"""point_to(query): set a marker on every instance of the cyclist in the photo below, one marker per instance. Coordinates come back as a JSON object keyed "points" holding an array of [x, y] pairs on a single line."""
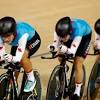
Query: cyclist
{"points": [[73, 36], [97, 44], [24, 41]]}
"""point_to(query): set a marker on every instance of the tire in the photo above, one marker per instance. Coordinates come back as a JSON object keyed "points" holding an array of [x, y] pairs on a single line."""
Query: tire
{"points": [[38, 88], [72, 84], [4, 84], [36, 93], [92, 91], [56, 84], [84, 80]]}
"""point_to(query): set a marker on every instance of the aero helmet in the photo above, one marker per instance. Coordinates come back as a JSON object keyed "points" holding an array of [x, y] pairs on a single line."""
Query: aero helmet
{"points": [[7, 26], [97, 26], [63, 27]]}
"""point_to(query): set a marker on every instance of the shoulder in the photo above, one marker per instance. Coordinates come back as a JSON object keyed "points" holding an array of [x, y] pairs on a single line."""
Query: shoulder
{"points": [[79, 21], [24, 25]]}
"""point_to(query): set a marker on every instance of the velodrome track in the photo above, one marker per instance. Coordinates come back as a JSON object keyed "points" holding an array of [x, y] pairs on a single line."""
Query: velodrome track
{"points": [[43, 14]]}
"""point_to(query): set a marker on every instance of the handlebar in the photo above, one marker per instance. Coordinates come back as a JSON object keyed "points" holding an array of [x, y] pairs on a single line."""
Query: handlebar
{"points": [[6, 65], [67, 57], [96, 52]]}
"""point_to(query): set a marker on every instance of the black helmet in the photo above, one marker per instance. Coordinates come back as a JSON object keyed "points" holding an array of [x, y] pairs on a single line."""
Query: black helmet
{"points": [[7, 26], [97, 26], [63, 27]]}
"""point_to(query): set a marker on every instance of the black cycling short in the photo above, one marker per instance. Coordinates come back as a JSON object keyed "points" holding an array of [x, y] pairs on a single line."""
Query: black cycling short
{"points": [[83, 47], [32, 45]]}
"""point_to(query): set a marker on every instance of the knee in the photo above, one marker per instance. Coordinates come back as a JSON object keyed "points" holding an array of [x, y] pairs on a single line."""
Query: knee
{"points": [[24, 60]]}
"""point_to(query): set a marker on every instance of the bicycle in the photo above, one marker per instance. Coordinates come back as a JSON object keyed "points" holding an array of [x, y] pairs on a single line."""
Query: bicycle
{"points": [[93, 89], [9, 85], [59, 85]]}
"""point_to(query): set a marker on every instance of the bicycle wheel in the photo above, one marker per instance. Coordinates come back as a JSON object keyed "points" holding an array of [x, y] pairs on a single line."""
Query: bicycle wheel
{"points": [[7, 91], [38, 88], [36, 93], [72, 83], [93, 92], [56, 84]]}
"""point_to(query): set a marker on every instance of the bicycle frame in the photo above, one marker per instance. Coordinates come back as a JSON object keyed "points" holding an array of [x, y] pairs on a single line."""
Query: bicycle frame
{"points": [[62, 74], [64, 83], [14, 83], [11, 80]]}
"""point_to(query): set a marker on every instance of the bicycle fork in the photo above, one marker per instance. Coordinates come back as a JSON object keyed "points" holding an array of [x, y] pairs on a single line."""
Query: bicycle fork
{"points": [[60, 81], [66, 92], [8, 90]]}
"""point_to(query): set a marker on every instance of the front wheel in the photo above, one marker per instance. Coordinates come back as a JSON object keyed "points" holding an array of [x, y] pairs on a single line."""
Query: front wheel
{"points": [[6, 89], [56, 84], [93, 89]]}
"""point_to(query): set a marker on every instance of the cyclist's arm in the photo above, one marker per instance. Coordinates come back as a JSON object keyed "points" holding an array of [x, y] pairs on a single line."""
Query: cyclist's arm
{"points": [[21, 48], [56, 41], [74, 45]]}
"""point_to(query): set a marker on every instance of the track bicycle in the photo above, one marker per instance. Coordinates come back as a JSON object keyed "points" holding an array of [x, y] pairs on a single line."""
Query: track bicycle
{"points": [[93, 88], [9, 86], [59, 85]]}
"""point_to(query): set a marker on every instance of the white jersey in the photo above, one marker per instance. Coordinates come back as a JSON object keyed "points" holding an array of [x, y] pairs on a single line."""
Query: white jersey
{"points": [[80, 28], [20, 50], [74, 45]]}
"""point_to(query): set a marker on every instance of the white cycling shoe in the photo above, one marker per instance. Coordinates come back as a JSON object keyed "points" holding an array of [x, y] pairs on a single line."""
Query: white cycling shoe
{"points": [[29, 85]]}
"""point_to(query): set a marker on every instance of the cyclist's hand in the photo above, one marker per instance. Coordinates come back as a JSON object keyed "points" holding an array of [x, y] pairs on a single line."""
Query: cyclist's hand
{"points": [[63, 49], [52, 47], [8, 57]]}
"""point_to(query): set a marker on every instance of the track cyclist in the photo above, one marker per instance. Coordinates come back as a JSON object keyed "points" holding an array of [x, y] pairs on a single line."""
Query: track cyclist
{"points": [[73, 36], [24, 41]]}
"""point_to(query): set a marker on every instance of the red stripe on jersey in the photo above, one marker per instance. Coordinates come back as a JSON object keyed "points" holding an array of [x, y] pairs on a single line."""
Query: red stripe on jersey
{"points": [[97, 38], [1, 48], [19, 49], [74, 45], [55, 41]]}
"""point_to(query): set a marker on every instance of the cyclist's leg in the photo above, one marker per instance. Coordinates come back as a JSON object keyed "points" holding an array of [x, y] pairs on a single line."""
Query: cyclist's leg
{"points": [[97, 58], [78, 62], [78, 74], [27, 66], [98, 76], [31, 47]]}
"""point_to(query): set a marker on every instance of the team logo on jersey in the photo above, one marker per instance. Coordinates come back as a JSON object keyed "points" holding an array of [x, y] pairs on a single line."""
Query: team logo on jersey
{"points": [[34, 44], [87, 50]]}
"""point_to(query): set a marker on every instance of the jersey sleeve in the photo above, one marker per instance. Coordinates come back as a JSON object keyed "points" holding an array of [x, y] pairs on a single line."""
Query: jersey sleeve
{"points": [[74, 45], [21, 48], [56, 41]]}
